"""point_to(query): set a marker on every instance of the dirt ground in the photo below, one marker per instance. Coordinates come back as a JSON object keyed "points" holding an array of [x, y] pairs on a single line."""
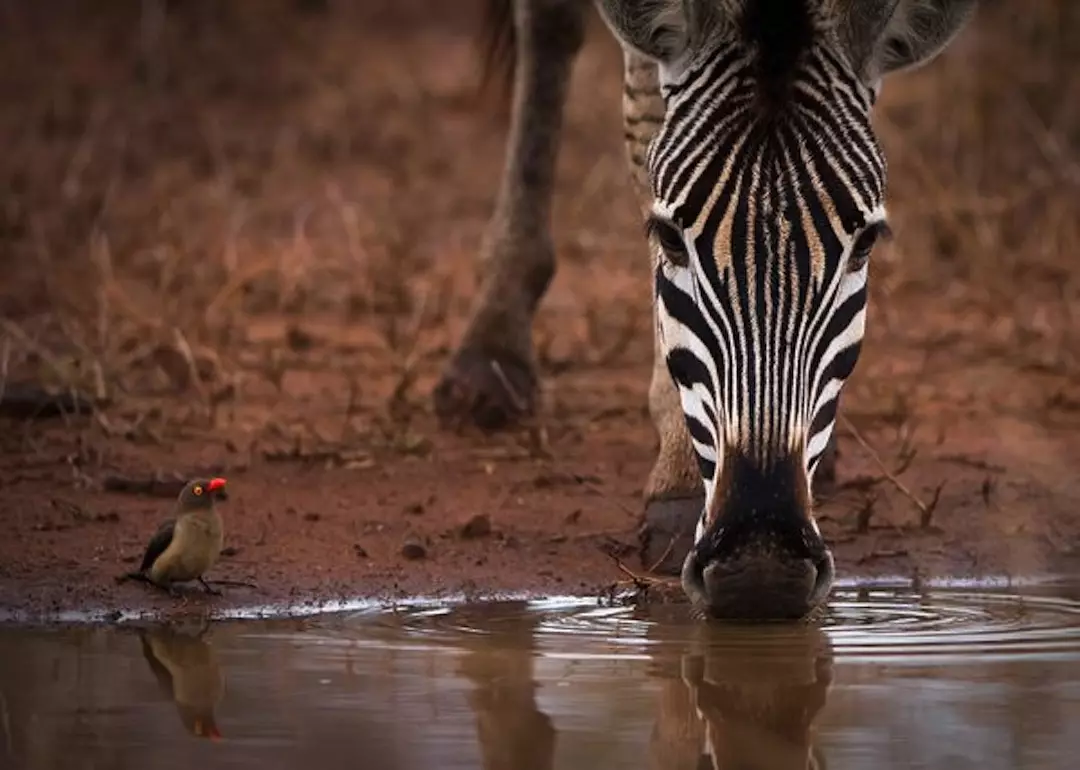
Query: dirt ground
{"points": [[249, 229]]}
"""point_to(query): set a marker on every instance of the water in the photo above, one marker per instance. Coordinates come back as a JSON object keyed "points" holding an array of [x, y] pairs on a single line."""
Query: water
{"points": [[954, 678]]}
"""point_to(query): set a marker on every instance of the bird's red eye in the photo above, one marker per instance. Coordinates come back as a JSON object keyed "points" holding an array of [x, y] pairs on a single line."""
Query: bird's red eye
{"points": [[197, 490]]}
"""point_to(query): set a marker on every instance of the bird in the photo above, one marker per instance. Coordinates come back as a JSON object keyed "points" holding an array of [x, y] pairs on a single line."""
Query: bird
{"points": [[188, 672], [188, 544]]}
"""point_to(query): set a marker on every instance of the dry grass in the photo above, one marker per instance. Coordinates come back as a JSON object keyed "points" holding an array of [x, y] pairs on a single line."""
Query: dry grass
{"points": [[984, 179], [217, 238]]}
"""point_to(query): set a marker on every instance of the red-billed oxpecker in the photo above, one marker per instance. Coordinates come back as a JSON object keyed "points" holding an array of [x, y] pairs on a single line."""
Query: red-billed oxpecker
{"points": [[187, 545]]}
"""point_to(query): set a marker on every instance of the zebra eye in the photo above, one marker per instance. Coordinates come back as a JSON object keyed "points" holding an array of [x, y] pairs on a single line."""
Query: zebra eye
{"points": [[864, 244], [670, 240]]}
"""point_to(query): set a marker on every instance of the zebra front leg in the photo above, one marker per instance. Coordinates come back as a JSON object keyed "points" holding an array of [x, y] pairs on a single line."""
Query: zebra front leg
{"points": [[674, 494], [491, 378]]}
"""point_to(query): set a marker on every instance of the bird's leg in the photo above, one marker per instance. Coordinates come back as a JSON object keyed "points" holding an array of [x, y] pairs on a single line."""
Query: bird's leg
{"points": [[237, 583], [168, 588], [206, 587]]}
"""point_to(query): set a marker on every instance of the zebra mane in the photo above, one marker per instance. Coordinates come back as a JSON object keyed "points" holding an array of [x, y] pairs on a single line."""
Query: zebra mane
{"points": [[779, 33]]}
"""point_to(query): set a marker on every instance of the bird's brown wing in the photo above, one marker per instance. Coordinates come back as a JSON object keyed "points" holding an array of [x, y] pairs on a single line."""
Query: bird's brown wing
{"points": [[161, 674], [158, 543]]}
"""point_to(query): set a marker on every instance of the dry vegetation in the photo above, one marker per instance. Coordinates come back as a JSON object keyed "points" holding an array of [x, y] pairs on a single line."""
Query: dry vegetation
{"points": [[246, 232]]}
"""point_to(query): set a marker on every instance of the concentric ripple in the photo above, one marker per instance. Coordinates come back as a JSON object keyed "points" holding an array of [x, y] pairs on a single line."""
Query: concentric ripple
{"points": [[954, 622], [896, 623]]}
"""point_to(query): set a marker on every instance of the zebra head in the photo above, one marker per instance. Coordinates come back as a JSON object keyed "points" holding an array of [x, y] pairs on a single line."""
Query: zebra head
{"points": [[768, 195]]}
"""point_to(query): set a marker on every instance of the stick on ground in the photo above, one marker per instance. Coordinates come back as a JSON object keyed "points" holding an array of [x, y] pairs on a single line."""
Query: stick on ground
{"points": [[926, 511]]}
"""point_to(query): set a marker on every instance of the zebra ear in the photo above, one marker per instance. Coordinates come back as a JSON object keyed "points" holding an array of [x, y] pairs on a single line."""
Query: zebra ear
{"points": [[886, 36], [657, 29]]}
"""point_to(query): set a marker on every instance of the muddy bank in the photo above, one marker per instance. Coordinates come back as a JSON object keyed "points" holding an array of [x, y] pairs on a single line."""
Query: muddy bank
{"points": [[474, 518]]}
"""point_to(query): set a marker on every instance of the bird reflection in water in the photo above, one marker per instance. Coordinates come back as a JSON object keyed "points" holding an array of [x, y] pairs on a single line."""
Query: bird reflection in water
{"points": [[731, 698], [514, 734], [186, 668]]}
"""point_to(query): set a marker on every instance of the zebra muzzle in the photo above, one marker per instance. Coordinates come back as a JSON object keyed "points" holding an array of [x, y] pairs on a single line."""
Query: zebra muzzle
{"points": [[759, 581]]}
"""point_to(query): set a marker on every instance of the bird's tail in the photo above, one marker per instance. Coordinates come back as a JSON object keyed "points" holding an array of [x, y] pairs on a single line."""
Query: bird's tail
{"points": [[140, 576]]}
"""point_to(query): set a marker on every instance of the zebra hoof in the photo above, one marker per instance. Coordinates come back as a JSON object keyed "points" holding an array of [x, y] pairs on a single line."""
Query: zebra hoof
{"points": [[667, 533], [491, 393]]}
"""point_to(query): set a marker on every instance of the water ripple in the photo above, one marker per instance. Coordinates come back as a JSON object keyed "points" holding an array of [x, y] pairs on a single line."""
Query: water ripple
{"points": [[880, 623], [955, 622]]}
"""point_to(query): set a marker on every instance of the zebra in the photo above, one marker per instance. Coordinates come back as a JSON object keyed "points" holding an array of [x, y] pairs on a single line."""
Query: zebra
{"points": [[762, 186]]}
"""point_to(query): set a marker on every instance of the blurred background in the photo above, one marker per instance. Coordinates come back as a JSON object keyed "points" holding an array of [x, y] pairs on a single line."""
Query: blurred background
{"points": [[213, 170]]}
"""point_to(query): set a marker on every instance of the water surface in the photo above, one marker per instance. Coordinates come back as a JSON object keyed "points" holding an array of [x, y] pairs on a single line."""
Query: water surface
{"points": [[952, 678]]}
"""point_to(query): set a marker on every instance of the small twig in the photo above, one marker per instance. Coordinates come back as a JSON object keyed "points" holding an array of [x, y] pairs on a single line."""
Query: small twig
{"points": [[865, 514], [907, 456], [536, 442], [666, 553], [926, 512], [208, 588], [15, 331], [639, 583], [236, 583], [188, 355], [236, 283], [519, 403], [926, 516]]}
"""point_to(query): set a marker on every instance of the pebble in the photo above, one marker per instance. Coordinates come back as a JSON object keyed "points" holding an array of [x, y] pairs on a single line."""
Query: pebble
{"points": [[476, 527], [413, 550]]}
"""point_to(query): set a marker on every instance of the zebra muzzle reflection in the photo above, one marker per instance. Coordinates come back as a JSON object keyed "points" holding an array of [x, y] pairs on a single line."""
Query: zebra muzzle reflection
{"points": [[747, 698], [727, 696]]}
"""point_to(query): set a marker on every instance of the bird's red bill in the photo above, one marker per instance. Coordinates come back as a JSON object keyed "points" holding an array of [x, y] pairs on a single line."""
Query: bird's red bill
{"points": [[204, 730], [216, 484]]}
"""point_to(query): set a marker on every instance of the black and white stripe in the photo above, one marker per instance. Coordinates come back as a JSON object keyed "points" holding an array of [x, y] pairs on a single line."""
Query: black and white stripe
{"points": [[762, 322]]}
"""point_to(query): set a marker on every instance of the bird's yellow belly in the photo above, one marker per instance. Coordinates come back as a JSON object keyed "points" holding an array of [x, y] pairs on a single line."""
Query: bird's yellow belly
{"points": [[194, 550]]}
